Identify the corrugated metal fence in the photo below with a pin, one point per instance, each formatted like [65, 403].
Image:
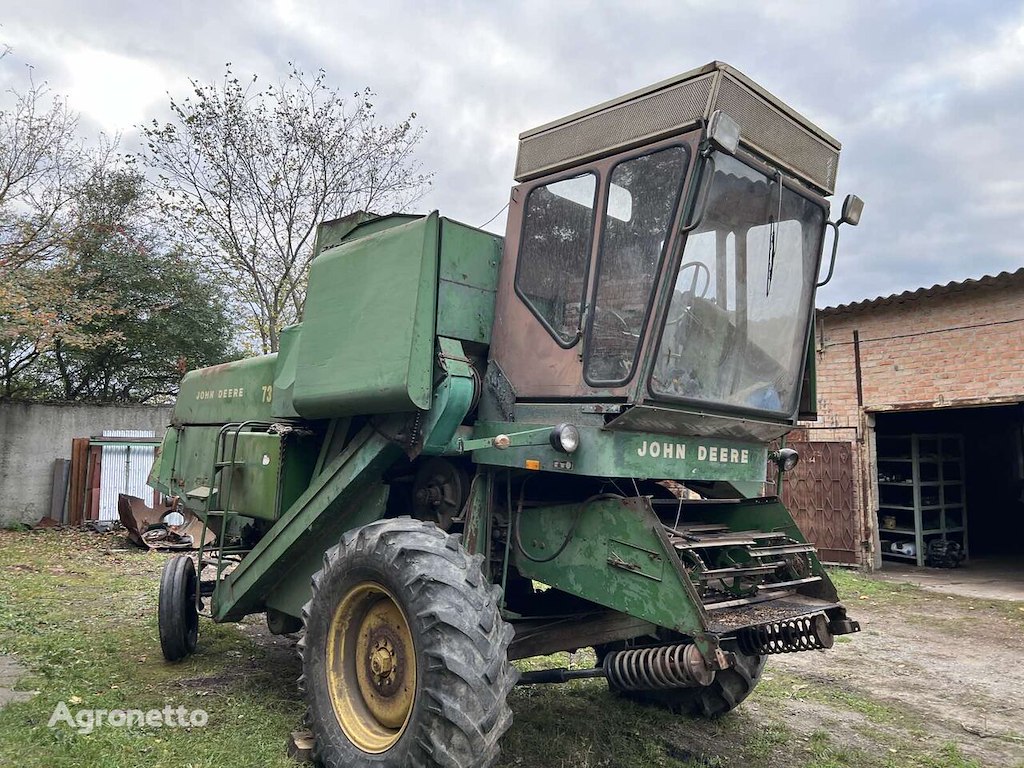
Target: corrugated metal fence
[124, 469]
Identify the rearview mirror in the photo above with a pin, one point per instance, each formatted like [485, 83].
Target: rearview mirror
[853, 206]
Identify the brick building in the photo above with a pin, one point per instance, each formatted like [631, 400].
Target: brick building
[920, 425]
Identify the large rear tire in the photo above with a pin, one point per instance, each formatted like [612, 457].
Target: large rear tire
[177, 616]
[405, 654]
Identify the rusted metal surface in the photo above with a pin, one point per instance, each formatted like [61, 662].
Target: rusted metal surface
[819, 494]
[530, 357]
[147, 527]
[663, 667]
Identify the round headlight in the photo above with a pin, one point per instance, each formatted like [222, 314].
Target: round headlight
[786, 458]
[565, 438]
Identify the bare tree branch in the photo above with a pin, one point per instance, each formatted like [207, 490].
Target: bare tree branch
[246, 174]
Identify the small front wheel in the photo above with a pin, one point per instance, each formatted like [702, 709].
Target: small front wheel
[177, 615]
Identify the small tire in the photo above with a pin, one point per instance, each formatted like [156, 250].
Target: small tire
[405, 653]
[177, 616]
[726, 692]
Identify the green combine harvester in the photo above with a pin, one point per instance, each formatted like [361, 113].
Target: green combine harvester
[459, 458]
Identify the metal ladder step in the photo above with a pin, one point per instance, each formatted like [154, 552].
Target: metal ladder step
[740, 571]
[781, 549]
[705, 542]
[786, 585]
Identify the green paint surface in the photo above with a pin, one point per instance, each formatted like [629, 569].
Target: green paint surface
[232, 392]
[607, 453]
[617, 557]
[367, 339]
[468, 281]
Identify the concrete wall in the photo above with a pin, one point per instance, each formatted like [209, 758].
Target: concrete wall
[952, 348]
[33, 435]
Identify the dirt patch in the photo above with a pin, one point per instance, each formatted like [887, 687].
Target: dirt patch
[10, 673]
[932, 669]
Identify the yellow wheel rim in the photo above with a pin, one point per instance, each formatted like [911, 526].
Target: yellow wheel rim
[371, 667]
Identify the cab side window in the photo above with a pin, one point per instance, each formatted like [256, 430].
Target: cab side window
[554, 253]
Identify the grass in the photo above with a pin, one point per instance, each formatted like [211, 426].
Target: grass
[79, 611]
[83, 618]
[854, 586]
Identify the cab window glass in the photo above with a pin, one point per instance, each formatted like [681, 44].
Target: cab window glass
[642, 200]
[554, 253]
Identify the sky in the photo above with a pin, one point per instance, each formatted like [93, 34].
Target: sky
[927, 98]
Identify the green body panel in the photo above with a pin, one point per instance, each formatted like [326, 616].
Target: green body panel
[192, 464]
[272, 470]
[310, 525]
[292, 591]
[275, 470]
[467, 282]
[617, 557]
[281, 406]
[251, 487]
[232, 392]
[163, 462]
[367, 339]
[607, 453]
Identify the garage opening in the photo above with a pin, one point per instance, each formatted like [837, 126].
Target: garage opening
[951, 475]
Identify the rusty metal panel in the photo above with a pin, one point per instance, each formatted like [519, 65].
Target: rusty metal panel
[819, 493]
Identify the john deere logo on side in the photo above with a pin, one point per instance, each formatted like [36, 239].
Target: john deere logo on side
[659, 449]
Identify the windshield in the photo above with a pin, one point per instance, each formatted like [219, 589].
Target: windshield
[734, 333]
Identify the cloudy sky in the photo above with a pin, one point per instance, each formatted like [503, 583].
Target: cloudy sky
[926, 97]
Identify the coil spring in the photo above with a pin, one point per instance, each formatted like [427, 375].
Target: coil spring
[807, 633]
[664, 667]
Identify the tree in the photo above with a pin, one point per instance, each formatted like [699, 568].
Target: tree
[247, 174]
[41, 164]
[96, 303]
[41, 161]
[119, 314]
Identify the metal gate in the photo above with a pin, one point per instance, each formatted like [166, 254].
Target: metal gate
[819, 494]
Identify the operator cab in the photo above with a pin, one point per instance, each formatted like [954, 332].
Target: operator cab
[664, 274]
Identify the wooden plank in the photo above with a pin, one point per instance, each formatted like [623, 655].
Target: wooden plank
[59, 489]
[77, 480]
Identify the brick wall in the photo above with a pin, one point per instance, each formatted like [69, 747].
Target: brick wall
[947, 347]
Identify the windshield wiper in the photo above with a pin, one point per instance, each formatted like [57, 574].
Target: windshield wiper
[773, 234]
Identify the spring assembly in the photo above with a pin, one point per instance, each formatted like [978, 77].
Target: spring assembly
[667, 666]
[806, 633]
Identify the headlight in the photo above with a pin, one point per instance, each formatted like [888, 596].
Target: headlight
[786, 458]
[565, 438]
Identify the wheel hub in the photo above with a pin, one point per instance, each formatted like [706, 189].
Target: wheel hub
[371, 667]
[386, 661]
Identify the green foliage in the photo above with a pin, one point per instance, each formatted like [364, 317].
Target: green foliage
[118, 313]
[96, 303]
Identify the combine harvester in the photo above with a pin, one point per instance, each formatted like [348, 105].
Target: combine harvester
[454, 461]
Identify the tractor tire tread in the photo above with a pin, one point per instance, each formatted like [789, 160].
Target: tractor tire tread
[453, 613]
